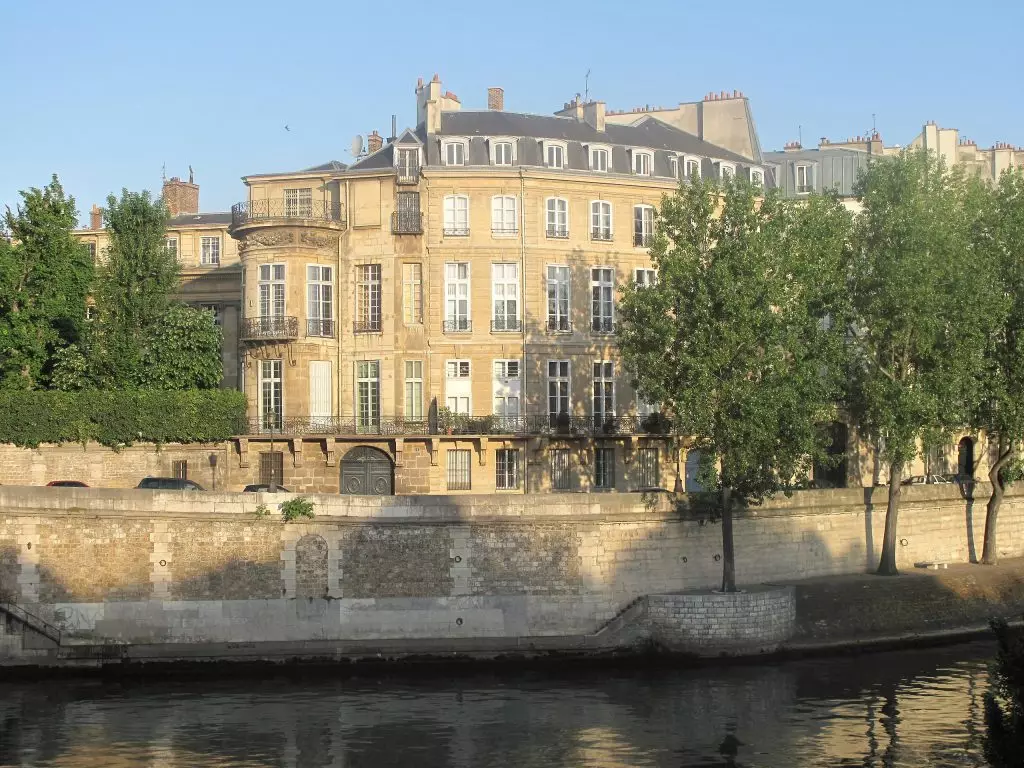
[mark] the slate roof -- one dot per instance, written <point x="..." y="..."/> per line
<point x="330" y="165"/>
<point x="382" y="158"/>
<point x="200" y="220"/>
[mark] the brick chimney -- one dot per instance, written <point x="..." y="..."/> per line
<point x="496" y="99"/>
<point x="181" y="196"/>
<point x="96" y="217"/>
<point x="374" y="142"/>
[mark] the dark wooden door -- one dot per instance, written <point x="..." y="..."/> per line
<point x="367" y="471"/>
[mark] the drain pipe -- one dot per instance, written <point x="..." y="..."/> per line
<point x="524" y="371"/>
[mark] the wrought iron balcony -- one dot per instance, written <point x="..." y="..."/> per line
<point x="406" y="223"/>
<point x="560" y="233"/>
<point x="642" y="239"/>
<point x="270" y="328"/>
<point x="458" y="325"/>
<point x="461" y="231"/>
<point x="369" y="325"/>
<point x="279" y="208"/>
<point x="604" y="235"/>
<point x="320" y="327"/>
<point x="504" y="230"/>
<point x="408" y="174"/>
<point x="559" y="325"/>
<point x="506" y="325"/>
<point x="602" y="325"/>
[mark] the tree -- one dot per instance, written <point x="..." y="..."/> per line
<point x="733" y="337"/>
<point x="1004" y="703"/>
<point x="1001" y="409"/>
<point x="919" y="313"/>
<point x="183" y="351"/>
<point x="45" y="277"/>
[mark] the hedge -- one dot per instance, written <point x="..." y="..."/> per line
<point x="120" y="417"/>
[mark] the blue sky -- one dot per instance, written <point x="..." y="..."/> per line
<point x="105" y="93"/>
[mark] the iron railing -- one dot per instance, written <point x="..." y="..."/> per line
<point x="270" y="328"/>
<point x="456" y="231"/>
<point x="372" y="325"/>
<point x="642" y="239"/>
<point x="603" y="235"/>
<point x="559" y="325"/>
<point x="457" y="325"/>
<point x="561" y="233"/>
<point x="507" y="229"/>
<point x="506" y="324"/>
<point x="320" y="327"/>
<point x="602" y="325"/>
<point x="408" y="174"/>
<point x="30" y="620"/>
<point x="279" y="208"/>
<point x="406" y="223"/>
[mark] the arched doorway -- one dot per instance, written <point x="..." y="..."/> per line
<point x="367" y="471"/>
<point x="965" y="458"/>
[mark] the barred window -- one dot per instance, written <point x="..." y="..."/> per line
<point x="507" y="469"/>
<point x="179" y="469"/>
<point x="560" y="477"/>
<point x="604" y="468"/>
<point x="647" y="467"/>
<point x="459" y="463"/>
<point x="272" y="468"/>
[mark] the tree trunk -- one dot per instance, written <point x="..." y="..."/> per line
<point x="989" y="555"/>
<point x="887" y="565"/>
<point x="728" y="553"/>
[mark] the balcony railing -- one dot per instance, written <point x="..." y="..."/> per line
<point x="504" y="230"/>
<point x="457" y="325"/>
<point x="506" y="325"/>
<point x="406" y="223"/>
<point x="642" y="239"/>
<point x="408" y="174"/>
<point x="560" y="233"/>
<point x="456" y="231"/>
<point x="602" y="235"/>
<point x="559" y="325"/>
<point x="260" y="210"/>
<point x="602" y="325"/>
<point x="320" y="327"/>
<point x="273" y="327"/>
<point x="371" y="325"/>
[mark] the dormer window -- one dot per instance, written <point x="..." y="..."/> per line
<point x="599" y="159"/>
<point x="726" y="171"/>
<point x="757" y="177"/>
<point x="673" y="167"/>
<point x="502" y="153"/>
<point x="554" y="155"/>
<point x="642" y="162"/>
<point x="804" y="179"/>
<point x="692" y="168"/>
<point x="454" y="153"/>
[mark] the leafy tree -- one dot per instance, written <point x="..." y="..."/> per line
<point x="45" y="276"/>
<point x="732" y="338"/>
<point x="920" y="312"/>
<point x="1004" y="703"/>
<point x="183" y="351"/>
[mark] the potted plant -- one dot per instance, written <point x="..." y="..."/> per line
<point x="655" y="423"/>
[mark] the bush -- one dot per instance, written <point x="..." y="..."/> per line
<point x="294" y="509"/>
<point x="120" y="417"/>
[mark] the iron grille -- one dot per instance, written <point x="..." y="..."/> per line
<point x="320" y="327"/>
<point x="406" y="223"/>
<point x="272" y="468"/>
<point x="270" y="327"/>
<point x="642" y="240"/>
<point x="561" y="233"/>
<point x="501" y="324"/>
<point x="647" y="468"/>
<point x="559" y="325"/>
<point x="256" y="210"/>
<point x="458" y="325"/>
<point x="459" y="470"/>
<point x="366" y="326"/>
<point x="560" y="477"/>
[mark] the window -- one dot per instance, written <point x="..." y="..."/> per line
<point x="643" y="226"/>
<point x="506" y="469"/>
<point x="503" y="154"/>
<point x="210" y="251"/>
<point x="726" y="171"/>
<point x="298" y="202"/>
<point x="645" y="278"/>
<point x="456" y="215"/>
<point x="558" y="390"/>
<point x="92" y="249"/>
<point x="503" y="215"/>
<point x="647" y="468"/>
<point x="170" y="243"/>
<point x="803" y="179"/>
<point x="561" y="480"/>
<point x="459" y="464"/>
<point x="319" y="301"/>
<point x="601" y="220"/>
<point x="414" y="390"/>
<point x="558" y="299"/>
<point x="599" y="160"/>
<point x="554" y="155"/>
<point x="214" y="309"/>
<point x="506" y="391"/>
<point x="407" y="220"/>
<point x="271" y="411"/>
<point x="673" y="167"/>
<point x="367" y="298"/>
<point x="642" y="163"/>
<point x="692" y="168"/>
<point x="645" y="407"/>
<point x="604" y="468"/>
<point x="604" y="392"/>
<point x="505" y="297"/>
<point x="367" y="394"/>
<point x="458" y="387"/>
<point x="757" y="177"/>
<point x="557" y="217"/>
<point x="412" y="293"/>
<point x="408" y="164"/>
<point x="454" y="153"/>
<point x="272" y="468"/>
<point x="179" y="469"/>
<point x="602" y="286"/>
<point x="271" y="287"/>
<point x="456" y="292"/>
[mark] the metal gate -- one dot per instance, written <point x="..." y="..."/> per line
<point x="366" y="471"/>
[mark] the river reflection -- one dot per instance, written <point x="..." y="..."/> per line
<point x="920" y="708"/>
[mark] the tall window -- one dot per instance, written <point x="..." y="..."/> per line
<point x="604" y="468"/>
<point x="604" y="392"/>
<point x="506" y="469"/>
<point x="456" y="292"/>
<point x="642" y="163"/>
<point x="456" y="215"/>
<point x="673" y="167"/>
<point x="803" y="179"/>
<point x="271" y="411"/>
<point x="645" y="278"/>
<point x="601" y="220"/>
<point x="459" y="468"/>
<point x="643" y="226"/>
<point x="648" y="470"/>
<point x="557" y="217"/>
<point x="320" y="300"/>
<point x="179" y="469"/>
<point x="506" y="389"/>
<point x="367" y="394"/>
<point x="757" y="178"/>
<point x="503" y="215"/>
<point x="414" y="390"/>
<point x="213" y="309"/>
<point x="599" y="160"/>
<point x="505" y="297"/>
<point x="91" y="247"/>
<point x="602" y="288"/>
<point x="561" y="480"/>
<point x="271" y="287"/>
<point x="458" y="394"/>
<point x="368" y="298"/>
<point x="558" y="299"/>
<point x="692" y="169"/>
<point x="412" y="293"/>
<point x="503" y="153"/>
<point x="455" y="153"/>
<point x="272" y="468"/>
<point x="407" y="219"/>
<point x="554" y="155"/>
<point x="558" y="389"/>
<point x="726" y="171"/>
<point x="170" y="243"/>
<point x="408" y="163"/>
<point x="209" y="253"/>
<point x="298" y="202"/>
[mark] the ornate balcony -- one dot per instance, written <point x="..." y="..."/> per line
<point x="406" y="223"/>
<point x="457" y="325"/>
<point x="270" y="328"/>
<point x="256" y="211"/>
<point x="559" y="233"/>
<point x="408" y="174"/>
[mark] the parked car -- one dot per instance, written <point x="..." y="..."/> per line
<point x="263" y="487"/>
<point x="66" y="484"/>
<point x="169" y="484"/>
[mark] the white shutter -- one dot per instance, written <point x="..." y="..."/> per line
<point x="320" y="411"/>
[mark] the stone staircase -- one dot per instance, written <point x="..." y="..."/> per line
<point x="629" y="618"/>
<point x="31" y="621"/>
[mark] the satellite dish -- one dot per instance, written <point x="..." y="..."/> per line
<point x="357" y="145"/>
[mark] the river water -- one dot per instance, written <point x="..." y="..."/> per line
<point x="908" y="708"/>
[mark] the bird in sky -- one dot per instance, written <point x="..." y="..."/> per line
<point x="287" y="128"/>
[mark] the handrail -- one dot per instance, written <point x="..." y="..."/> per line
<point x="279" y="208"/>
<point x="30" y="620"/>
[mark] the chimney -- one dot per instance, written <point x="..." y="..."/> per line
<point x="573" y="109"/>
<point x="428" y="104"/>
<point x="96" y="217"/>
<point x="374" y="142"/>
<point x="496" y="99"/>
<point x="593" y="115"/>
<point x="181" y="196"/>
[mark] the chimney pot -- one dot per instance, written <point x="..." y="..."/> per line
<point x="437" y="78"/>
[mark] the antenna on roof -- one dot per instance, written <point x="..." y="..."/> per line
<point x="586" y="87"/>
<point x="163" y="172"/>
<point x="800" y="134"/>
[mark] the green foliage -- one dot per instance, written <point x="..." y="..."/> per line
<point x="45" y="276"/>
<point x="1004" y="703"/>
<point x="298" y="508"/>
<point x="261" y="511"/>
<point x="183" y="351"/>
<point x="120" y="417"/>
